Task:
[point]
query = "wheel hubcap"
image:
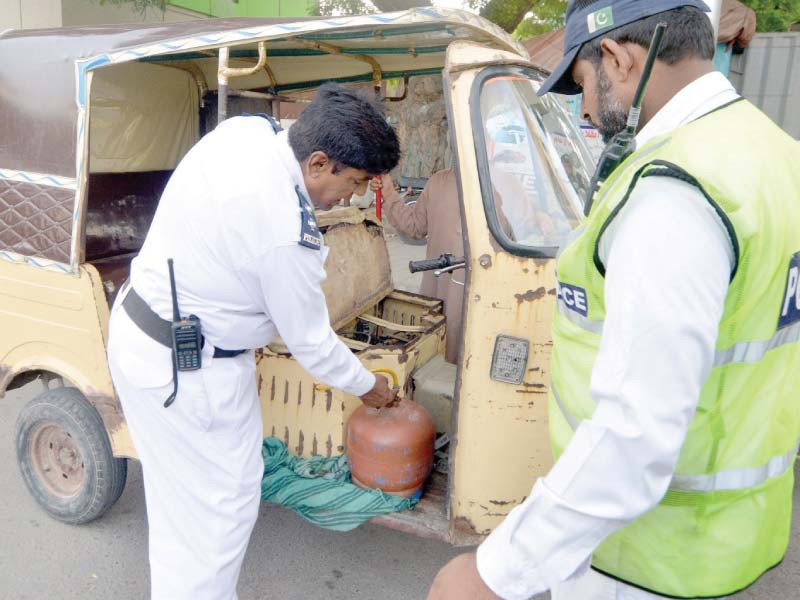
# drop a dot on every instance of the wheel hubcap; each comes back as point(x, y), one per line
point(57, 460)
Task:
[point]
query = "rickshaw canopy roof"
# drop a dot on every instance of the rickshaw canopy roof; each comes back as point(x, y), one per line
point(44, 73)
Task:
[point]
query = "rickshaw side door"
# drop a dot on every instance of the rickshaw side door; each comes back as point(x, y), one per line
point(506, 188)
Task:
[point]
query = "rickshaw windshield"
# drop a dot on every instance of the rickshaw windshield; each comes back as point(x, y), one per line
point(536, 163)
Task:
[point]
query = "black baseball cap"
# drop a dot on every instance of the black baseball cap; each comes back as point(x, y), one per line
point(596, 20)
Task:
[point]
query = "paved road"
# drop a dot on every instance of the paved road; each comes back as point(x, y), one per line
point(287, 558)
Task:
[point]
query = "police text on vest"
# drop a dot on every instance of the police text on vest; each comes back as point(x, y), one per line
point(790, 307)
point(573, 297)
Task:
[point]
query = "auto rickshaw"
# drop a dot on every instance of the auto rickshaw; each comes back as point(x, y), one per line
point(93, 120)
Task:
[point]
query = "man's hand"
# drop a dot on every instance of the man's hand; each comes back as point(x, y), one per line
point(459, 580)
point(384, 182)
point(380, 394)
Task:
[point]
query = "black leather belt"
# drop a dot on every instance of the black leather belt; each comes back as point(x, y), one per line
point(157, 328)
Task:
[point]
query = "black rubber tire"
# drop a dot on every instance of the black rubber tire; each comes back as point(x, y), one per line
point(120, 477)
point(65, 457)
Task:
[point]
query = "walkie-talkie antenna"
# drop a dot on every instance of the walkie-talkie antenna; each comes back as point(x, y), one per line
point(176, 314)
point(624, 142)
point(638, 97)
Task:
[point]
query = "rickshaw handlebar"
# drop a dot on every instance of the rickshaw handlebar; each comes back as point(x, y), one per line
point(443, 262)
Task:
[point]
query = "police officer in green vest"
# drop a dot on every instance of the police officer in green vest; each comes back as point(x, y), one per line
point(675, 400)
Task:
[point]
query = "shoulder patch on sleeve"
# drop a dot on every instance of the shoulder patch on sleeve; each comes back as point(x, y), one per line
point(310, 235)
point(276, 126)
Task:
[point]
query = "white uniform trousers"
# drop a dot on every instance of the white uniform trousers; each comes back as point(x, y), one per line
point(591, 585)
point(201, 461)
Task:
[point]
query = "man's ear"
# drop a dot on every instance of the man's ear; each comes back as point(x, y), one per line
point(318, 162)
point(617, 60)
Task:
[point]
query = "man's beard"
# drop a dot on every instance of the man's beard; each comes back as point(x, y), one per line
point(613, 115)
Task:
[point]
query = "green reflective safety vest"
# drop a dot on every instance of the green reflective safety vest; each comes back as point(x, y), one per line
point(726, 516)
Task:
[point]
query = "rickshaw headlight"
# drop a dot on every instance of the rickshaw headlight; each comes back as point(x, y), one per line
point(509, 359)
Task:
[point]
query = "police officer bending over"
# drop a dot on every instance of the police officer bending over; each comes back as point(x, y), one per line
point(237, 220)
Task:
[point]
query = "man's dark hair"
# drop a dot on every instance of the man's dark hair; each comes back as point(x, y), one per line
point(350, 126)
point(688, 35)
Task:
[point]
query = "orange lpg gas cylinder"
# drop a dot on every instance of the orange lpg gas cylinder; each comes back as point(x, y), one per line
point(391, 448)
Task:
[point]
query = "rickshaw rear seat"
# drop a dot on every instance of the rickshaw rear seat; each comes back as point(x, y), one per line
point(120, 209)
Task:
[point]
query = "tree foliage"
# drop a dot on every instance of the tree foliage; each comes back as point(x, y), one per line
point(342, 7)
point(320, 7)
point(393, 5)
point(545, 16)
point(505, 13)
point(774, 15)
point(525, 18)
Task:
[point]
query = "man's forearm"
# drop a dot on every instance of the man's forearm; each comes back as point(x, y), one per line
point(410, 220)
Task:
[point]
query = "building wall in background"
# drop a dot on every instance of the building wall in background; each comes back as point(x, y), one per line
point(768, 74)
point(248, 8)
point(29, 14)
point(36, 14)
point(91, 12)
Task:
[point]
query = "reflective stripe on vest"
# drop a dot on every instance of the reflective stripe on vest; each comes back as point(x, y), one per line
point(736, 479)
point(729, 479)
point(571, 419)
point(738, 353)
point(755, 351)
point(578, 319)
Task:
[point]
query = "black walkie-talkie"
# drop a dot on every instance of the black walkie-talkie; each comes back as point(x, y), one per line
point(623, 144)
point(187, 339)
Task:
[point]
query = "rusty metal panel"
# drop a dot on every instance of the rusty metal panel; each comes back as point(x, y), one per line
point(501, 436)
point(58, 322)
point(36, 220)
point(310, 418)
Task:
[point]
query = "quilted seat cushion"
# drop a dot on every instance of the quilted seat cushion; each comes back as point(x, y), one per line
point(36, 220)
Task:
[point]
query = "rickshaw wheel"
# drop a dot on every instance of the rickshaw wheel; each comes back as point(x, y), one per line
point(65, 457)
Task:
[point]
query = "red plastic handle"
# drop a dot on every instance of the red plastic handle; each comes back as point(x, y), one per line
point(379, 202)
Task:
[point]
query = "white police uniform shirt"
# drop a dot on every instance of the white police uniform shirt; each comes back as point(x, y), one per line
point(231, 220)
point(663, 308)
point(239, 264)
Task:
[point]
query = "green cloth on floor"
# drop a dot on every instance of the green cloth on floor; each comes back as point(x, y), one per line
point(319, 489)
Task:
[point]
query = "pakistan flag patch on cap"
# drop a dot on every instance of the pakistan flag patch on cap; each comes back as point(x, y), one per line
point(600, 19)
